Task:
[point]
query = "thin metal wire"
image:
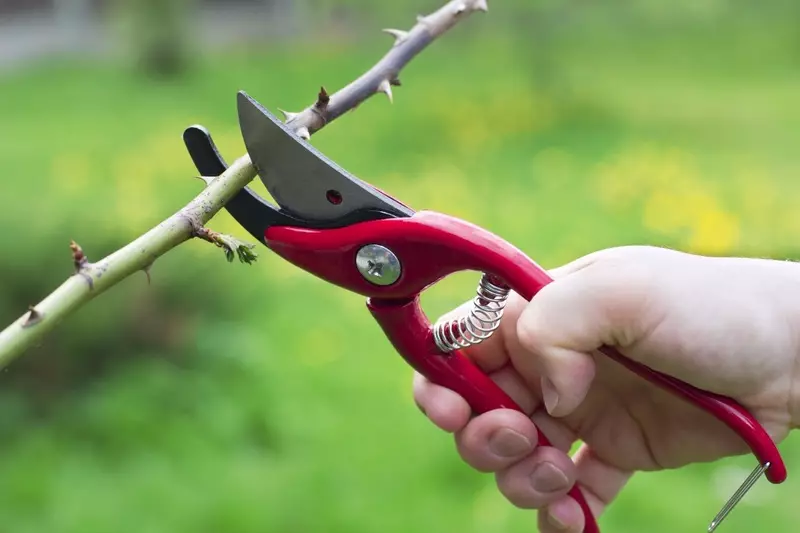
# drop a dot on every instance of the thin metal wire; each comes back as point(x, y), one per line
point(748, 483)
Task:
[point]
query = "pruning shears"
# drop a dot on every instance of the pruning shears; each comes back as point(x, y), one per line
point(349, 233)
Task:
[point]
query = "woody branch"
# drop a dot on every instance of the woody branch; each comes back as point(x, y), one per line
point(92, 279)
point(385, 74)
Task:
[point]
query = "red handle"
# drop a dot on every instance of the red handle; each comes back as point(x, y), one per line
point(430, 246)
point(722, 407)
point(410, 332)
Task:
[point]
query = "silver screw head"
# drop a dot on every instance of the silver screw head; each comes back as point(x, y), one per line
point(378, 264)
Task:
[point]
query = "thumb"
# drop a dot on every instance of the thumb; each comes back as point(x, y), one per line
point(600, 304)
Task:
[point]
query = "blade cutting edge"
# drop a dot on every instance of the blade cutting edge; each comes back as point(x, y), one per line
point(302, 180)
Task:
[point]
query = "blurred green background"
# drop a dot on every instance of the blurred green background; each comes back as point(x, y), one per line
point(258, 399)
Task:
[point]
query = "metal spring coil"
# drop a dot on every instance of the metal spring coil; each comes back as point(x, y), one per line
point(479, 324)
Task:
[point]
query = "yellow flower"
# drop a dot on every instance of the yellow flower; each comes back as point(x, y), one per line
point(715, 232)
point(676, 200)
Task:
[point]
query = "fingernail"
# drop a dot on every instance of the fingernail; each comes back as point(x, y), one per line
point(555, 521)
point(509, 444)
point(547, 478)
point(549, 394)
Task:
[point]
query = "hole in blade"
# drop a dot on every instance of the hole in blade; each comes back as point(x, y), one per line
point(334, 197)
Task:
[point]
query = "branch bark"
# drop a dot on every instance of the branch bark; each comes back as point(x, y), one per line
point(92, 279)
point(385, 74)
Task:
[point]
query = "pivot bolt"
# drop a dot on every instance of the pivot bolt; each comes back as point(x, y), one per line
point(378, 264)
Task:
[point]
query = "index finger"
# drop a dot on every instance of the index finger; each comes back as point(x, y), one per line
point(493, 353)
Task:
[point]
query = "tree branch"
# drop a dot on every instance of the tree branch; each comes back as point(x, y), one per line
point(92, 279)
point(385, 74)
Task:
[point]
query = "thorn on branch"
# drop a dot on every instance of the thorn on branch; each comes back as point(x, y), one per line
point(34, 317)
point(385, 87)
point(288, 115)
point(399, 35)
point(233, 247)
point(207, 179)
point(322, 99)
point(78, 258)
point(146, 271)
point(481, 5)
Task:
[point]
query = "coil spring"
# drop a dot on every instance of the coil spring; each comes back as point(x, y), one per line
point(479, 323)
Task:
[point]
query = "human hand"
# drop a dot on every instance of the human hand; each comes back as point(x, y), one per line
point(726, 325)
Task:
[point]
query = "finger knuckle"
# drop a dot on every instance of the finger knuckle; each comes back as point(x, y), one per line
point(515, 488)
point(472, 450)
point(531, 327)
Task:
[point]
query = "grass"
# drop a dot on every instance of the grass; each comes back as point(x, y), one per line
point(288, 410)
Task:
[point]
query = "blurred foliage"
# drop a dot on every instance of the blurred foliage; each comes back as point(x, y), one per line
point(241, 398)
point(155, 33)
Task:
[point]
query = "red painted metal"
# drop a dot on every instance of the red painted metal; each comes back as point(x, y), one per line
point(431, 246)
point(409, 331)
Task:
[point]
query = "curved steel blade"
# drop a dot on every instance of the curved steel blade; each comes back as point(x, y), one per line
point(301, 179)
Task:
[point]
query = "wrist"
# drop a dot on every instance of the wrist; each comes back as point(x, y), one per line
point(787, 276)
point(794, 396)
point(794, 387)
point(771, 289)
